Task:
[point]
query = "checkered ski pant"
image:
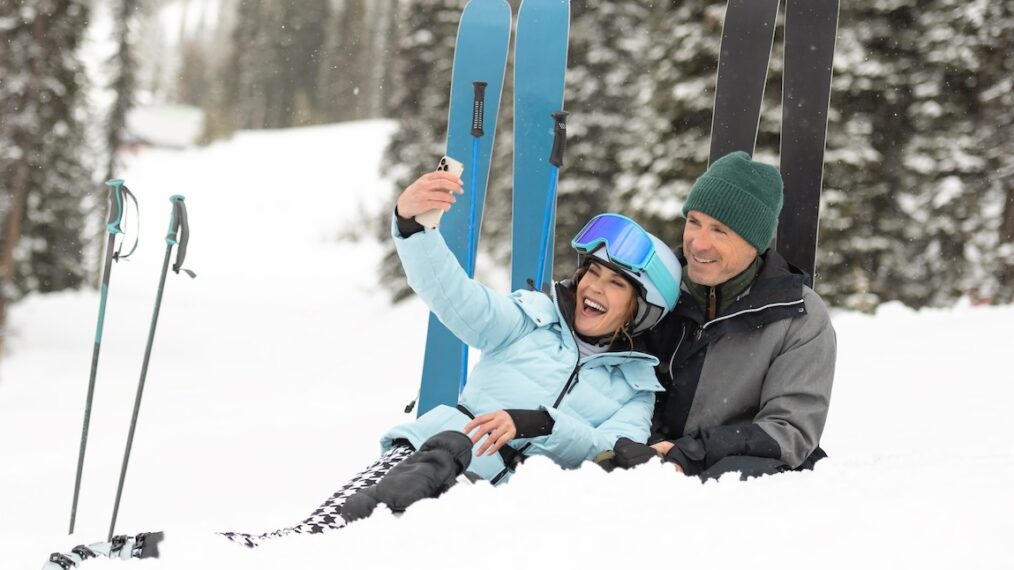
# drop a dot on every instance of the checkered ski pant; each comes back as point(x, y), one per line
point(328, 515)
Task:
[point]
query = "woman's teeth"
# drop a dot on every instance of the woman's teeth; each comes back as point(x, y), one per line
point(594, 306)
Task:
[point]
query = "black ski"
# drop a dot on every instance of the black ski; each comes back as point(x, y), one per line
point(747, 36)
point(811, 28)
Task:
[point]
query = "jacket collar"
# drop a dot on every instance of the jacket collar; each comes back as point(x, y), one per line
point(778, 286)
point(725, 293)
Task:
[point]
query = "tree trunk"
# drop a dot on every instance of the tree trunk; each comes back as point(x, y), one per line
point(1006, 277)
point(11, 233)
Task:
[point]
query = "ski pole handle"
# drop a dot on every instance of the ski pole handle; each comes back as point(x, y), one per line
point(116, 205)
point(179, 232)
point(478, 107)
point(559, 138)
point(176, 219)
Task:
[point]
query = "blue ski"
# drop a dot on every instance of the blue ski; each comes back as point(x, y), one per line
point(480, 57)
point(540, 68)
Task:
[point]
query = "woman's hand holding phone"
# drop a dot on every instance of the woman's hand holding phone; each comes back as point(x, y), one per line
point(432, 194)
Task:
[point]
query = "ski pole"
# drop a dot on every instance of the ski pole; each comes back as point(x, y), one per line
point(178, 235)
point(555, 159)
point(478, 109)
point(117, 215)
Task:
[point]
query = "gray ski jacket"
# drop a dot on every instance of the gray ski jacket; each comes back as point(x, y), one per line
point(754, 381)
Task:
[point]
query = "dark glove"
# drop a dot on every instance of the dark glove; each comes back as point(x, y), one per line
point(626, 454)
point(426, 473)
point(629, 453)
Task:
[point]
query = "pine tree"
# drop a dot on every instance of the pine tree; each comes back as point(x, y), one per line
point(124, 83)
point(910, 213)
point(298, 48)
point(604, 84)
point(420, 99)
point(245, 74)
point(42, 169)
point(992, 24)
point(672, 112)
point(346, 71)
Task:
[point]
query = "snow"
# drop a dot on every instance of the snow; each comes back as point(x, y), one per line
point(276, 370)
point(173, 126)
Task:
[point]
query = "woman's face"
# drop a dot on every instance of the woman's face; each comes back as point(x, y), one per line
point(603, 301)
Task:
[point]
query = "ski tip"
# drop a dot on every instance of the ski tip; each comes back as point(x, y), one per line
point(176, 198)
point(115, 182)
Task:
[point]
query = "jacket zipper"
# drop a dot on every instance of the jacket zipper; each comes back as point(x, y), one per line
point(744, 311)
point(672, 359)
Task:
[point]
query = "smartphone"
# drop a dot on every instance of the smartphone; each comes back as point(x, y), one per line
point(431, 219)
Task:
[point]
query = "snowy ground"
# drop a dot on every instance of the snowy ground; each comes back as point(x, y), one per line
point(276, 370)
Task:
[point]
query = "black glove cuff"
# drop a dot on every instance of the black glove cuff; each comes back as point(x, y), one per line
point(689, 454)
point(676, 456)
point(531, 423)
point(407, 227)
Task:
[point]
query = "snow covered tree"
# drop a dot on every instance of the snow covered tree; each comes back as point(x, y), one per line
point(123, 84)
point(42, 168)
point(604, 81)
point(910, 211)
point(992, 24)
point(273, 72)
point(346, 70)
point(670, 117)
point(420, 97)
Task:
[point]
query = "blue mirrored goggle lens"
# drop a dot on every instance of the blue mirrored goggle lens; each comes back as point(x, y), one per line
point(625, 241)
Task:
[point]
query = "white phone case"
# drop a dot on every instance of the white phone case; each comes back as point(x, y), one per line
point(431, 219)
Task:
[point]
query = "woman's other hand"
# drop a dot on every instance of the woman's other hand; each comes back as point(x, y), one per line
point(499, 426)
point(433, 190)
point(663, 448)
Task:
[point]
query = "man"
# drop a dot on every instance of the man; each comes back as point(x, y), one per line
point(748, 354)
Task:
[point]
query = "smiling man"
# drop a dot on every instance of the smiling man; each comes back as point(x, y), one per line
point(748, 354)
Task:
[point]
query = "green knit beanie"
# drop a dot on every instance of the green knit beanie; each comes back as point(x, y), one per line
point(741, 193)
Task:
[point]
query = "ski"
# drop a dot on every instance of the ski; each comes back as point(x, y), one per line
point(480, 57)
point(747, 36)
point(540, 68)
point(811, 28)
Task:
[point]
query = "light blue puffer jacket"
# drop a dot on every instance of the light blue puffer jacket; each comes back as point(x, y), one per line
point(528, 354)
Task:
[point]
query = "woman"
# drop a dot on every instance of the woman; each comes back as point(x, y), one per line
point(558, 376)
point(561, 365)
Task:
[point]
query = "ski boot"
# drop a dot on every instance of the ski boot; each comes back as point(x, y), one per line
point(123, 547)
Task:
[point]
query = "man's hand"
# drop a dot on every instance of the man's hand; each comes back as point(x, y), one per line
point(498, 426)
point(663, 448)
point(433, 190)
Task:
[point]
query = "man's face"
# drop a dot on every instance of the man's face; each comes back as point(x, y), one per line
point(714, 252)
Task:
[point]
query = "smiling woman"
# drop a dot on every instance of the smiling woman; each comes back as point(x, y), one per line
point(560, 375)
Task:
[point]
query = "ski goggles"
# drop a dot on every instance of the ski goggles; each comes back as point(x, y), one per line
point(630, 247)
